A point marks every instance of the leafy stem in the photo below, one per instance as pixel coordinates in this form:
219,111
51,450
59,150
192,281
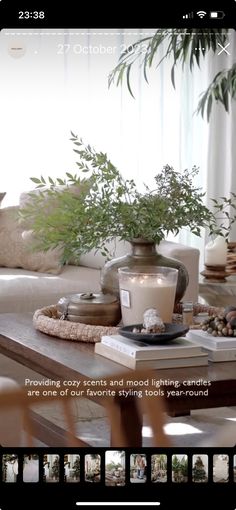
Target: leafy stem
82,213
187,47
224,215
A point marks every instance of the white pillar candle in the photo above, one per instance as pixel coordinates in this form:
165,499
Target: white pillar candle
216,252
138,292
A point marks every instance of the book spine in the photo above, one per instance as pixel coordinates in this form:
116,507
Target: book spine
116,356
193,361
224,355
207,340
222,344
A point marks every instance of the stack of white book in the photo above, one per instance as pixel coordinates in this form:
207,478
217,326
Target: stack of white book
218,348
180,352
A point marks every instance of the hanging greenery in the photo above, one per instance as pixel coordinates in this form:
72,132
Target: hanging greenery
185,47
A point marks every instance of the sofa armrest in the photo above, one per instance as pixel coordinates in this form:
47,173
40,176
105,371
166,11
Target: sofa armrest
190,258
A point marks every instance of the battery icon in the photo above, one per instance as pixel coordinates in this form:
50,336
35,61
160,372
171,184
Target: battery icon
217,14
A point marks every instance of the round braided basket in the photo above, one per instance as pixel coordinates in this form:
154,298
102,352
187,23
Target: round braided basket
199,308
46,320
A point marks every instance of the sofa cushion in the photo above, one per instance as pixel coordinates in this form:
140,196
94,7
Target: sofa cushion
26,291
26,196
47,201
95,259
189,256
16,251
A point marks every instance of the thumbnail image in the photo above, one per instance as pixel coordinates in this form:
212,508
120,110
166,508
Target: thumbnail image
9,468
220,468
115,468
51,468
179,468
138,468
92,467
71,468
31,468
159,468
200,468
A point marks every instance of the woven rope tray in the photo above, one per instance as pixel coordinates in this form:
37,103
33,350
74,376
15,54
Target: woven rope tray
46,320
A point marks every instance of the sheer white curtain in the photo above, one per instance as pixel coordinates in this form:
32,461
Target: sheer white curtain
221,174
60,83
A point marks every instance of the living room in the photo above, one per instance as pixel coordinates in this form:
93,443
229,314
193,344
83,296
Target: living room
149,118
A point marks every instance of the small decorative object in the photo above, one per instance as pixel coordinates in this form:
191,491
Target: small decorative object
215,273
89,308
152,322
188,313
231,258
135,332
200,317
222,324
215,259
147,287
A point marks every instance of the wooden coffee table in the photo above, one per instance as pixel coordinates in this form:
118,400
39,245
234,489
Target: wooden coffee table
61,359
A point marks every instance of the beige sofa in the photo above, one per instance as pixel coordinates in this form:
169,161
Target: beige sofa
42,281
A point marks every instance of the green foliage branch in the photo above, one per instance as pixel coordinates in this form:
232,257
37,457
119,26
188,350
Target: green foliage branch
81,213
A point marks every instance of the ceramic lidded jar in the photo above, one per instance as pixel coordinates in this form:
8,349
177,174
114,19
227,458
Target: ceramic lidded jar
88,308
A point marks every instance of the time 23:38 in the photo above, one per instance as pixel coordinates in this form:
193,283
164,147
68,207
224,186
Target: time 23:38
31,15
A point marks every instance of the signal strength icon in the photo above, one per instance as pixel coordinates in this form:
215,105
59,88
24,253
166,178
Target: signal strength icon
189,15
201,14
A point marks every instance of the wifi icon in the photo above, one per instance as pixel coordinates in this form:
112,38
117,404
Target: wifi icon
201,14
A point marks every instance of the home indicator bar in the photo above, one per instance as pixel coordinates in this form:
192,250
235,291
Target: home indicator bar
117,503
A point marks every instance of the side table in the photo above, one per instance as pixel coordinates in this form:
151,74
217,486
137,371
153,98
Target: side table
218,293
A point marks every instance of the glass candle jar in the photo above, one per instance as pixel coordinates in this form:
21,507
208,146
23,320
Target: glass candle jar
147,287
188,313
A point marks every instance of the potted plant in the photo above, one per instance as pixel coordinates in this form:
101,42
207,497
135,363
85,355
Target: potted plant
79,214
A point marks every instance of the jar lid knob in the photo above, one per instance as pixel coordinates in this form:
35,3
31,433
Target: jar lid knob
87,295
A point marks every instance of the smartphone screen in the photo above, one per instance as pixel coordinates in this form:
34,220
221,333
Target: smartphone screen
117,155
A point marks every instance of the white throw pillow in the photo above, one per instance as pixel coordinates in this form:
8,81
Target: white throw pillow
96,260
